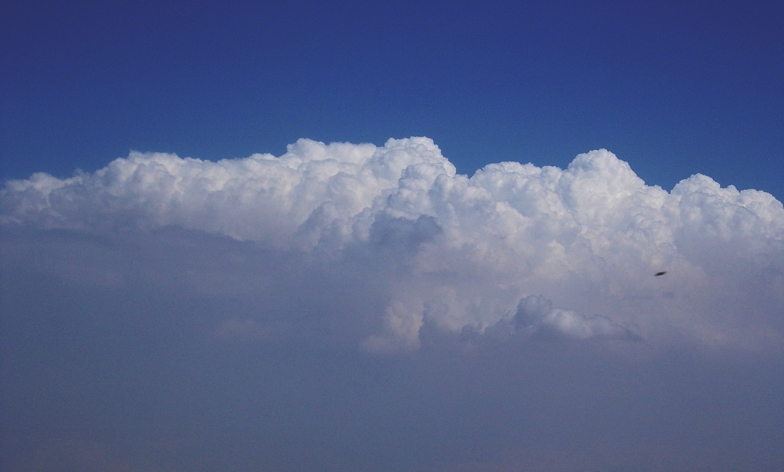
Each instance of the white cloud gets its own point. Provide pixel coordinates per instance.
(536, 315)
(459, 252)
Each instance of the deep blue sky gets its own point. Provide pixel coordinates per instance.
(672, 88)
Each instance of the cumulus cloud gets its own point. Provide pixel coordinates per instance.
(570, 252)
(536, 315)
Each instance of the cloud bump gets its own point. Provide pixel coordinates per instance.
(528, 249)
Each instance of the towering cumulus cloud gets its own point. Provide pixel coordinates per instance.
(515, 251)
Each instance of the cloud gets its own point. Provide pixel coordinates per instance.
(536, 315)
(177, 314)
(421, 245)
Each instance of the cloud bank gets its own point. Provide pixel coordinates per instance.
(404, 243)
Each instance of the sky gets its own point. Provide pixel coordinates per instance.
(421, 236)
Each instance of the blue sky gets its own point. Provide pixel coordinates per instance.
(672, 88)
(391, 286)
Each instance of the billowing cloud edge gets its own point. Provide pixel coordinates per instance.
(458, 251)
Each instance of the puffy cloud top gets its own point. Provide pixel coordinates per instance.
(463, 251)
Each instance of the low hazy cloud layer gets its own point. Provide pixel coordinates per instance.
(354, 307)
(430, 246)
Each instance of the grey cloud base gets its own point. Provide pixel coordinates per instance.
(149, 372)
